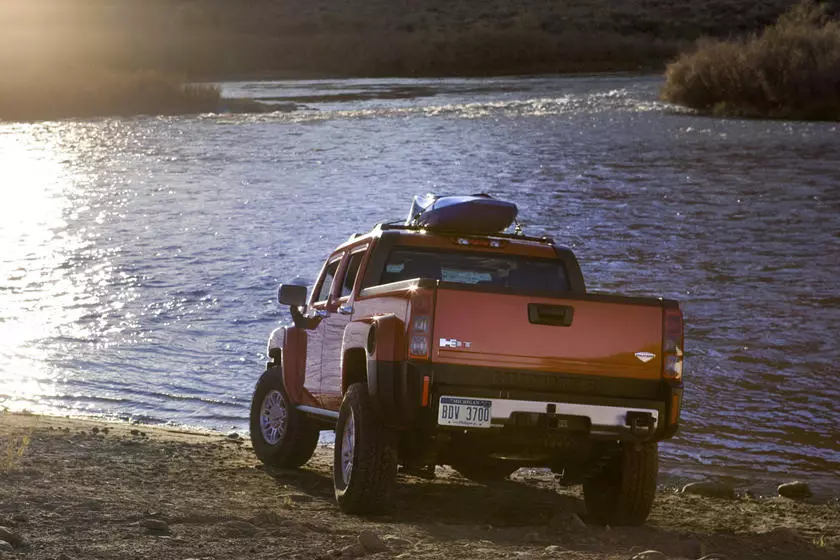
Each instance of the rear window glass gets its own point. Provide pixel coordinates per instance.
(505, 272)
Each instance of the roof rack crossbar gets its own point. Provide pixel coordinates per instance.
(515, 235)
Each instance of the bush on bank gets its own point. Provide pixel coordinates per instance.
(790, 70)
(42, 96)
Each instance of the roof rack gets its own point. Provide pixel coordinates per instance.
(515, 235)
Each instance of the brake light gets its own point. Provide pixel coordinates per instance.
(420, 325)
(480, 242)
(672, 344)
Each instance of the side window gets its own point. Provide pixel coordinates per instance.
(326, 284)
(351, 273)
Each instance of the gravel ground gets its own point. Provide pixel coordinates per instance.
(74, 489)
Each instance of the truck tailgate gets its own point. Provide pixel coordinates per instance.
(584, 335)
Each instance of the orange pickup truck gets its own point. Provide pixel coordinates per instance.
(483, 352)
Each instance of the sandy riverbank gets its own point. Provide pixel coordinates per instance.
(88, 489)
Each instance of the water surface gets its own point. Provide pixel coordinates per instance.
(140, 257)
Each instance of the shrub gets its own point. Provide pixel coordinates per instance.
(790, 70)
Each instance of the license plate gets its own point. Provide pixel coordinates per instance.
(464, 412)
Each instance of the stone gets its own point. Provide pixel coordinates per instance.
(6, 547)
(10, 537)
(710, 490)
(354, 551)
(300, 498)
(796, 490)
(782, 536)
(155, 525)
(91, 504)
(649, 555)
(234, 436)
(553, 549)
(567, 521)
(692, 548)
(237, 528)
(371, 542)
(532, 537)
(395, 541)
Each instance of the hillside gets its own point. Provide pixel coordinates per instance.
(216, 39)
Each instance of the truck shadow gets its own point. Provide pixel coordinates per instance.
(521, 514)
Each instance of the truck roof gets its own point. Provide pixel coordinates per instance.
(517, 238)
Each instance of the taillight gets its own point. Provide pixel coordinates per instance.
(420, 326)
(672, 344)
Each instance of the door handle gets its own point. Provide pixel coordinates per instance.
(345, 309)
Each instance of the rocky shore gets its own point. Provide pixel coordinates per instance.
(74, 489)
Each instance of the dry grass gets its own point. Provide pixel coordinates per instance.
(790, 70)
(13, 447)
(41, 95)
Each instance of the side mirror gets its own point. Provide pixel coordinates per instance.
(289, 294)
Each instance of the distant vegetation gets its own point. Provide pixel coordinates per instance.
(790, 70)
(42, 96)
(223, 39)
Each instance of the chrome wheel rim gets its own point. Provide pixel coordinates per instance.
(273, 417)
(348, 447)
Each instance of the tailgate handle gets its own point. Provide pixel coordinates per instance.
(555, 315)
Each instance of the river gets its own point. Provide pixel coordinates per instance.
(140, 256)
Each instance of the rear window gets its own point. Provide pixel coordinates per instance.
(495, 271)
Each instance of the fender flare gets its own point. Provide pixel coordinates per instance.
(384, 342)
(276, 342)
(287, 348)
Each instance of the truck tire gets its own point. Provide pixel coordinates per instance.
(622, 493)
(484, 470)
(282, 436)
(365, 464)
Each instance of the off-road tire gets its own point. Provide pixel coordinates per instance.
(373, 471)
(300, 437)
(484, 470)
(622, 493)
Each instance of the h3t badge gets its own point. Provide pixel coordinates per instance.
(454, 343)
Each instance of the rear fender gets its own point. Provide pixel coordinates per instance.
(385, 348)
(353, 355)
(381, 338)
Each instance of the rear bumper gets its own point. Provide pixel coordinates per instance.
(620, 411)
(597, 420)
